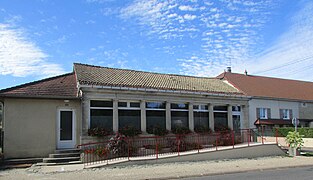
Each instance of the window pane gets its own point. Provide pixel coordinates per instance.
(135, 104)
(179, 106)
(122, 104)
(129, 118)
(204, 107)
(236, 122)
(66, 125)
(155, 118)
(220, 121)
(220, 108)
(201, 119)
(179, 119)
(196, 107)
(155, 105)
(236, 108)
(94, 103)
(101, 118)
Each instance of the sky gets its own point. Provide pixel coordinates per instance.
(43, 38)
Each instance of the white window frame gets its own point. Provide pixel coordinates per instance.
(128, 105)
(199, 109)
(263, 113)
(155, 109)
(180, 109)
(287, 115)
(104, 108)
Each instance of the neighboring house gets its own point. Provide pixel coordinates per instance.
(56, 113)
(274, 101)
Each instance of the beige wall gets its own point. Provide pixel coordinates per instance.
(274, 105)
(30, 126)
(306, 110)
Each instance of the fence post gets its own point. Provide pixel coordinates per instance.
(198, 143)
(249, 136)
(128, 147)
(262, 129)
(156, 148)
(178, 143)
(216, 142)
(276, 134)
(233, 138)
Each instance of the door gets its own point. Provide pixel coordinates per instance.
(66, 129)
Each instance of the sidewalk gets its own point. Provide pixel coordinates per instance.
(158, 171)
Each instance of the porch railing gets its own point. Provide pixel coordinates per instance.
(120, 148)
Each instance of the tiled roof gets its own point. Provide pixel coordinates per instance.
(103, 76)
(259, 86)
(54, 87)
(273, 122)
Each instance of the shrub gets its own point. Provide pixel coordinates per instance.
(99, 132)
(181, 130)
(294, 139)
(129, 131)
(222, 129)
(157, 130)
(283, 132)
(203, 130)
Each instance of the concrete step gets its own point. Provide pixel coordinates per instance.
(22, 161)
(60, 151)
(60, 160)
(61, 155)
(60, 163)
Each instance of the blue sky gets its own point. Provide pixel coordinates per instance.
(42, 38)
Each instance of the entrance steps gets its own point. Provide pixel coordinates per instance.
(62, 157)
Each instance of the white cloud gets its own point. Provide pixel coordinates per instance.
(190, 17)
(187, 8)
(21, 57)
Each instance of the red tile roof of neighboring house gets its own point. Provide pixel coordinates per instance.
(113, 77)
(272, 122)
(259, 86)
(63, 86)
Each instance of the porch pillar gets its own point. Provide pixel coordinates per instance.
(211, 117)
(168, 116)
(244, 118)
(190, 117)
(85, 116)
(230, 117)
(143, 116)
(115, 115)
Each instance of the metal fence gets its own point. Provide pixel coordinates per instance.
(120, 148)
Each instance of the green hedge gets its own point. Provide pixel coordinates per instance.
(306, 132)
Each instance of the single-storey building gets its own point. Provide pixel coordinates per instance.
(57, 112)
(274, 102)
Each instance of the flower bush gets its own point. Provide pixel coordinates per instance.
(129, 131)
(157, 130)
(181, 130)
(294, 139)
(99, 132)
(203, 130)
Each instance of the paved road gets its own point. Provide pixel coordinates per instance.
(299, 173)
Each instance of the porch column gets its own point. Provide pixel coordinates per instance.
(168, 116)
(190, 117)
(244, 118)
(115, 115)
(85, 116)
(143, 116)
(230, 117)
(211, 117)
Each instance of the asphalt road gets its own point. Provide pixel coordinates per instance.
(298, 173)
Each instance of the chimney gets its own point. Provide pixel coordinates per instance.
(246, 72)
(229, 69)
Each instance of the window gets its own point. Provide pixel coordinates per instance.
(101, 114)
(201, 116)
(263, 113)
(179, 115)
(155, 115)
(129, 115)
(285, 113)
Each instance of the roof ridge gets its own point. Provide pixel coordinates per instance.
(35, 82)
(179, 75)
(285, 79)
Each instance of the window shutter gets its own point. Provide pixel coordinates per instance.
(290, 114)
(268, 113)
(281, 114)
(258, 113)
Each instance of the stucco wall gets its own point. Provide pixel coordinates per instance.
(273, 105)
(306, 110)
(30, 126)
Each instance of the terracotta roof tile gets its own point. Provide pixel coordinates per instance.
(58, 86)
(259, 86)
(103, 76)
